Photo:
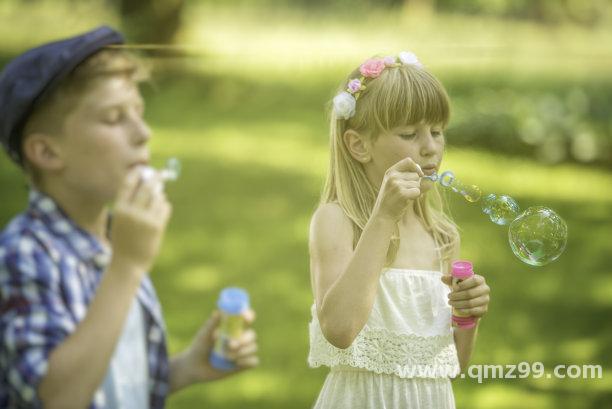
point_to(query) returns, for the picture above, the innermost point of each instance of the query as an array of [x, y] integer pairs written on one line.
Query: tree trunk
[[150, 21]]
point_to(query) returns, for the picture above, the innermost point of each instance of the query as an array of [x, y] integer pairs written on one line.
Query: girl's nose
[[428, 146]]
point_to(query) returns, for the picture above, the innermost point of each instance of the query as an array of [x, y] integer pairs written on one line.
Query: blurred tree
[[150, 21]]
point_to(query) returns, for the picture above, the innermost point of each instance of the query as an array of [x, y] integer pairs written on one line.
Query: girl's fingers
[[474, 281], [407, 165], [469, 294], [471, 303], [474, 312]]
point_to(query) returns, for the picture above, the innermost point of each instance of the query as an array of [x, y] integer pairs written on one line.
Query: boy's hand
[[470, 296], [139, 221], [242, 351]]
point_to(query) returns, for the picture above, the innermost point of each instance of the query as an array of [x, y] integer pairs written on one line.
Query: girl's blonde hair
[[401, 95]]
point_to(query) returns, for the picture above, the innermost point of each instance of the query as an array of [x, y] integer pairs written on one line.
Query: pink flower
[[372, 67], [354, 86]]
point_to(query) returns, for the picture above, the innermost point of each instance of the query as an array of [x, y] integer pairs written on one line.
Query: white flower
[[344, 105], [409, 58]]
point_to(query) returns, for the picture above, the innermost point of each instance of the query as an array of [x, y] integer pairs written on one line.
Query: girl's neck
[[410, 216]]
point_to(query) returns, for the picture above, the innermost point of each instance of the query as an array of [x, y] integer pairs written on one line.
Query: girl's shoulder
[[330, 212], [329, 222]]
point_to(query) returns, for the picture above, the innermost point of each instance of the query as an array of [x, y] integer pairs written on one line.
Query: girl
[[380, 244]]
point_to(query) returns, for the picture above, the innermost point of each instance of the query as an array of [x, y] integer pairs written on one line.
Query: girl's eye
[[112, 117], [436, 133], [407, 135]]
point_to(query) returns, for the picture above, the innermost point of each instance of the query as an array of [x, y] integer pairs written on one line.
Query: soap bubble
[[503, 210], [471, 193], [487, 203], [538, 236]]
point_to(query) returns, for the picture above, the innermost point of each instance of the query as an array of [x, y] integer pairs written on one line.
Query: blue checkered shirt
[[49, 272]]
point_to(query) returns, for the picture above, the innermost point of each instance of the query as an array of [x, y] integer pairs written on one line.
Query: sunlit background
[[240, 94]]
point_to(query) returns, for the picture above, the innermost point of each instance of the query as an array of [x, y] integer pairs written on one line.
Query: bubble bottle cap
[[462, 269], [233, 300]]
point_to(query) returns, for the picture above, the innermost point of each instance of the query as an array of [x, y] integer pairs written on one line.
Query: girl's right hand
[[139, 221], [400, 185]]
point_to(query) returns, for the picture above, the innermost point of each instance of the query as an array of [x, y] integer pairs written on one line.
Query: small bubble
[[503, 210]]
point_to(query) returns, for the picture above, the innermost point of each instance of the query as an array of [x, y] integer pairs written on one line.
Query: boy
[[80, 323]]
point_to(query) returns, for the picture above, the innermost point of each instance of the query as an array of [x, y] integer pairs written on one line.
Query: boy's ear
[[357, 146], [42, 151]]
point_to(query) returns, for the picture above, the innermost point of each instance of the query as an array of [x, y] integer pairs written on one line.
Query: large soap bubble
[[538, 236]]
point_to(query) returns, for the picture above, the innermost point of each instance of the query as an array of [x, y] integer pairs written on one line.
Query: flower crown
[[345, 101]]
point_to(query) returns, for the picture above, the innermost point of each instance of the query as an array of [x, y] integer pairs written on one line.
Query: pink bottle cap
[[462, 269]]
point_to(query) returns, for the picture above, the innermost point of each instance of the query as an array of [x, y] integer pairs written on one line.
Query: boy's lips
[[139, 163]]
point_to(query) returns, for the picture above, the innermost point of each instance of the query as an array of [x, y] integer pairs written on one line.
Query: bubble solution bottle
[[462, 270], [232, 303]]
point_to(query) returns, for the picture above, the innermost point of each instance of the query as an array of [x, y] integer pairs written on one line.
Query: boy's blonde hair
[[51, 109], [401, 95]]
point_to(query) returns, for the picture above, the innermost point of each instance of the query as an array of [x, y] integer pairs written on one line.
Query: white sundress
[[402, 358]]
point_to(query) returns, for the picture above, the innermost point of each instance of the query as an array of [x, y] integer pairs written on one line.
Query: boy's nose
[[141, 132]]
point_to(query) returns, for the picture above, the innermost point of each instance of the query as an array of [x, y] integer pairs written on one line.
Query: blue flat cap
[[33, 74]]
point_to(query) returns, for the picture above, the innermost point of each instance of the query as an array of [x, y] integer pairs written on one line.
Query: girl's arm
[[344, 281], [465, 339]]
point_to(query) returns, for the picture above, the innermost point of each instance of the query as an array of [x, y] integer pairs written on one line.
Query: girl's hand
[[470, 296], [401, 185]]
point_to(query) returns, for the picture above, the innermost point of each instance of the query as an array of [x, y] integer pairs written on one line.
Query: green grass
[[251, 134]]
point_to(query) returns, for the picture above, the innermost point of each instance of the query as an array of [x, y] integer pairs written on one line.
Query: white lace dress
[[404, 355]]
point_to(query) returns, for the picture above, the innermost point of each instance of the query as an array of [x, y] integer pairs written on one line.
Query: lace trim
[[383, 351]]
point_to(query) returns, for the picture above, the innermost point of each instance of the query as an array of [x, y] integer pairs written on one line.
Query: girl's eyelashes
[[407, 135], [436, 133], [112, 116]]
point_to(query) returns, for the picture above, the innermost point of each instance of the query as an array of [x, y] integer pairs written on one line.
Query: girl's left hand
[[470, 296]]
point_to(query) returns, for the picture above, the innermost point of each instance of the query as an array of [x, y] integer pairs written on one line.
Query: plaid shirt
[[49, 272]]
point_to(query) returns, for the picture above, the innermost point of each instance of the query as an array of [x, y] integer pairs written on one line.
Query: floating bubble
[[487, 203], [503, 210], [471, 193], [538, 236], [456, 186]]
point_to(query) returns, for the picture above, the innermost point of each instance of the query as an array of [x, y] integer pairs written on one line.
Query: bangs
[[405, 96], [110, 62]]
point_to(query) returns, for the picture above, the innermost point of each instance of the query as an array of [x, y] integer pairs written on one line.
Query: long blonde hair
[[400, 95]]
